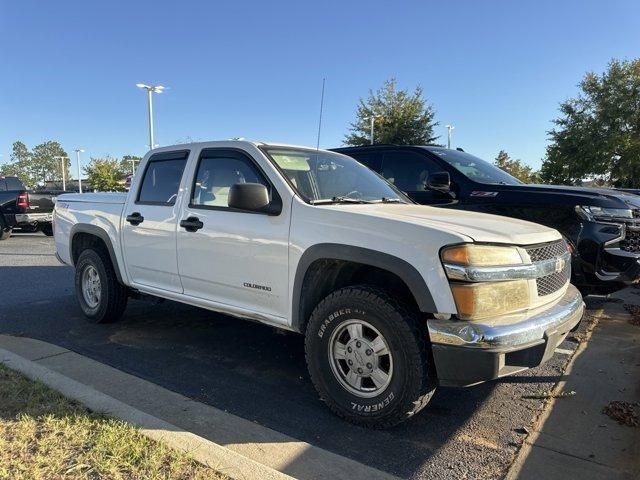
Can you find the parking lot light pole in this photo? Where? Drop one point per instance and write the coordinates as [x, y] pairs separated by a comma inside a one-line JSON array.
[[151, 89], [372, 118], [78, 150], [449, 128], [62, 160]]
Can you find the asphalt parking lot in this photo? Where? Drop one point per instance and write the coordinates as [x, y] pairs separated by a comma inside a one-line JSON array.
[[252, 371]]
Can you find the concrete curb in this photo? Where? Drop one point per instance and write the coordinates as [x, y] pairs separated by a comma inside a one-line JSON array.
[[235, 446], [209, 453]]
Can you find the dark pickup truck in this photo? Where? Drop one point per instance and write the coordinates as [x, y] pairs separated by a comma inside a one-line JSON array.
[[19, 208], [601, 226]]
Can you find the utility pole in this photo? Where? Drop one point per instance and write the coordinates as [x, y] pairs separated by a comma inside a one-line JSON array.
[[151, 89], [449, 128], [78, 150]]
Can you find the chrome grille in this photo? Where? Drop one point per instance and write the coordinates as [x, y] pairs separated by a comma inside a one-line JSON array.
[[547, 251], [555, 281], [636, 213]]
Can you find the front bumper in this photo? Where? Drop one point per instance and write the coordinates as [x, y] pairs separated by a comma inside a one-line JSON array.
[[467, 353], [33, 218]]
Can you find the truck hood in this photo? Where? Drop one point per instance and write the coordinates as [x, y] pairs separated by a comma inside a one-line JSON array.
[[480, 227], [562, 194]]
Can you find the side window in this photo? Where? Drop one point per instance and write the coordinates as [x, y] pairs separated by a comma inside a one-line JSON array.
[[371, 160], [218, 171], [3, 185], [14, 184], [161, 180], [408, 171]]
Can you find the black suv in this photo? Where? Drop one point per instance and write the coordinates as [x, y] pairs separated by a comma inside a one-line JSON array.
[[601, 226]]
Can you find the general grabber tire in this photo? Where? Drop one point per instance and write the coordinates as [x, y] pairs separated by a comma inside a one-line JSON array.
[[367, 357], [101, 297]]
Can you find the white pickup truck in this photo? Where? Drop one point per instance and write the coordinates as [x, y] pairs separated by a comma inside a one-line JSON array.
[[393, 298]]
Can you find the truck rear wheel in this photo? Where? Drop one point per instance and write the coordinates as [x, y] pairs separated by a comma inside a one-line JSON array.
[[101, 297], [5, 232], [47, 230], [368, 358]]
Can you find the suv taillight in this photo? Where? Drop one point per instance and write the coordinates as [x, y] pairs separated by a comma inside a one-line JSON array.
[[23, 200]]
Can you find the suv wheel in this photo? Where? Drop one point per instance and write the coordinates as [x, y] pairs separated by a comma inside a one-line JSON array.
[[102, 298], [368, 358]]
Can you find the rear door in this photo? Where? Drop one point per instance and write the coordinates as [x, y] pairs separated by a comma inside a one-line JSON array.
[[150, 223]]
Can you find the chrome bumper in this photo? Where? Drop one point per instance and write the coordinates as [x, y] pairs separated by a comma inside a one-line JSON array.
[[32, 218], [467, 353], [510, 331]]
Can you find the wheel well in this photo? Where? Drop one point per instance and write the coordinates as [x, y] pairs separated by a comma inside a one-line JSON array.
[[82, 241], [327, 275]]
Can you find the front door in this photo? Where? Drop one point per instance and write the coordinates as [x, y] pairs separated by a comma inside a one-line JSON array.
[[233, 257], [409, 171], [151, 219]]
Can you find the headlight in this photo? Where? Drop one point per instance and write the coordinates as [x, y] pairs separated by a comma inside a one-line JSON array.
[[599, 213], [481, 255], [475, 301]]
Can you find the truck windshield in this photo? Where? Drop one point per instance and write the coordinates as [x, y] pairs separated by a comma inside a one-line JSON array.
[[326, 177], [474, 168]]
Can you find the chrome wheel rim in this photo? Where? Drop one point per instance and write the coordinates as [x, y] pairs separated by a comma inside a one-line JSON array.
[[360, 358], [91, 287]]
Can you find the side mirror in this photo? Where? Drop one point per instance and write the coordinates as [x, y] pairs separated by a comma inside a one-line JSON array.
[[253, 197], [439, 181]]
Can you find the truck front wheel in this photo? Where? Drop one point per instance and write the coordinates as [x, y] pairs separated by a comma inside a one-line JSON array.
[[101, 297], [367, 357]]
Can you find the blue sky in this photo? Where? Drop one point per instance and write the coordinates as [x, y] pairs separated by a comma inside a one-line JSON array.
[[495, 69]]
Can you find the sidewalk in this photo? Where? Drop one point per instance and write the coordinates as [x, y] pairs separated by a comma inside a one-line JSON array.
[[573, 438]]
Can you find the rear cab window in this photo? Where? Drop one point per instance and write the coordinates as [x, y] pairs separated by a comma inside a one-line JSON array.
[[162, 176], [13, 184]]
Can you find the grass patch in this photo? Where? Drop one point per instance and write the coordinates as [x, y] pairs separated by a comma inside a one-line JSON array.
[[44, 435]]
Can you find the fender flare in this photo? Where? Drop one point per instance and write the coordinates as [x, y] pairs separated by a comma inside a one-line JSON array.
[[102, 235], [334, 251]]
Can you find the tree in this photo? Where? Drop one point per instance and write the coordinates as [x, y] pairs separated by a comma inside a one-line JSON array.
[[37, 166], [104, 175], [400, 117], [597, 134], [514, 167]]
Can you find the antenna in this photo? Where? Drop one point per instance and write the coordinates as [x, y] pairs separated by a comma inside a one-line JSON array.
[[320, 120]]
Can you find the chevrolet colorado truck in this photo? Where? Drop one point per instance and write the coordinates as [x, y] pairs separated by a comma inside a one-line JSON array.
[[19, 208], [393, 298], [601, 226]]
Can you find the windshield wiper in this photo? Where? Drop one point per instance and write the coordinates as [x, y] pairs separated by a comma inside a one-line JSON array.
[[388, 200], [326, 201]]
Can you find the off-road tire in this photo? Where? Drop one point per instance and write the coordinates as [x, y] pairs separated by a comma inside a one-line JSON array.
[[412, 385], [114, 295], [47, 230]]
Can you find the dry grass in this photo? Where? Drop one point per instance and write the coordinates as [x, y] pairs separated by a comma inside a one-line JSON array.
[[46, 436]]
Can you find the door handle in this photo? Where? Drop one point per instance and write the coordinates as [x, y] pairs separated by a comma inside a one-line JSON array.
[[135, 218], [192, 224]]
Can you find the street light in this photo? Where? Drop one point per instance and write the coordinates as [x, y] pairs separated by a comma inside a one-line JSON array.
[[449, 128], [373, 119], [78, 150], [62, 162], [151, 89]]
